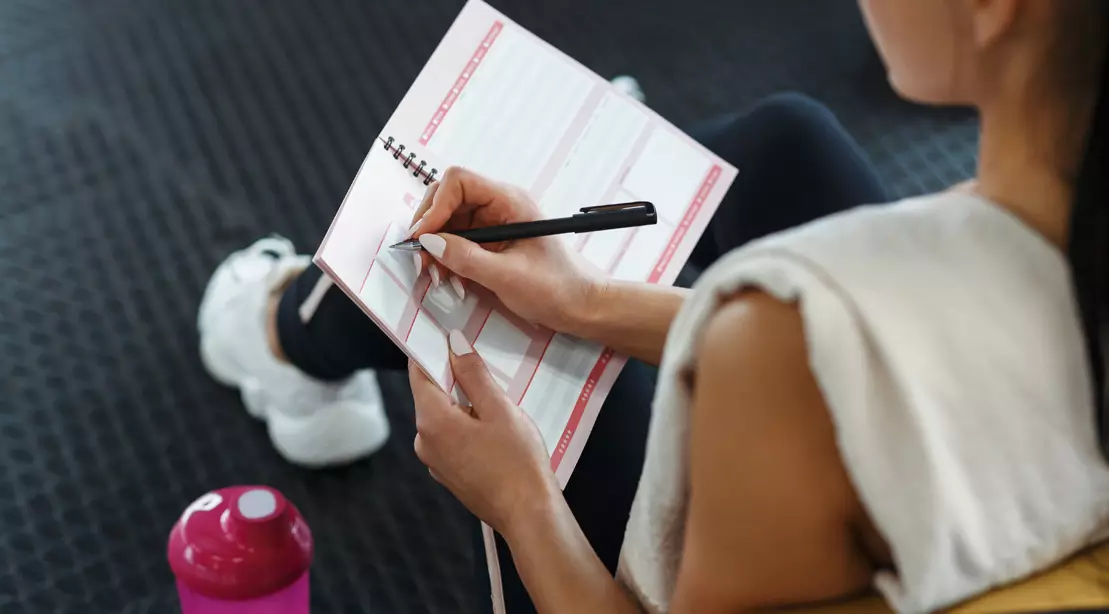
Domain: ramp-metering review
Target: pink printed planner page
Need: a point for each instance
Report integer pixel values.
(500, 101)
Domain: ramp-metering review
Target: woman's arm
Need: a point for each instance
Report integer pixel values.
(773, 518)
(492, 457)
(631, 318)
(557, 564)
(772, 513)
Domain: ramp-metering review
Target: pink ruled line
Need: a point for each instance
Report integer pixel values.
(579, 407)
(460, 83)
(419, 308)
(376, 252)
(606, 356)
(473, 342)
(535, 370)
(687, 220)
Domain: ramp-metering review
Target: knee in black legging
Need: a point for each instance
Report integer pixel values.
(796, 163)
(790, 129)
(794, 113)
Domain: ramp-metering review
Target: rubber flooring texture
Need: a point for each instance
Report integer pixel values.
(142, 141)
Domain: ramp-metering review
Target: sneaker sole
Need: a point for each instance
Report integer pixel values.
(345, 431)
(228, 374)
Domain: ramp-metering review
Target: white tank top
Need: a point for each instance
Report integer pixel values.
(945, 338)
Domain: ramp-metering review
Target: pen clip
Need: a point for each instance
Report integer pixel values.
(648, 208)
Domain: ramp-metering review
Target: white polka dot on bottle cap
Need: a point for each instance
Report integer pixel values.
(254, 504)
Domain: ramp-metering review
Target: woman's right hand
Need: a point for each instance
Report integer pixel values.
(539, 279)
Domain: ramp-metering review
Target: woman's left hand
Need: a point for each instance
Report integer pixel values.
(489, 455)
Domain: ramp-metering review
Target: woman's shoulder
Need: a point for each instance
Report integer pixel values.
(942, 334)
(949, 216)
(949, 237)
(931, 261)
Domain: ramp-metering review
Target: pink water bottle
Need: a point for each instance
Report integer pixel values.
(241, 550)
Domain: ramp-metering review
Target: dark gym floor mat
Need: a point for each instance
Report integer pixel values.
(115, 427)
(141, 141)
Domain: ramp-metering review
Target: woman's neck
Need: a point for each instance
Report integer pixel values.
(1019, 169)
(1027, 161)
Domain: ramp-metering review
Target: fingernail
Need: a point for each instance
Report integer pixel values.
(459, 289)
(459, 345)
(434, 272)
(413, 229)
(419, 262)
(434, 244)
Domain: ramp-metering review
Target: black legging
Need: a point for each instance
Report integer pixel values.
(796, 164)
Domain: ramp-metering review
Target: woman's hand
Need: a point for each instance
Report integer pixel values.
(489, 455)
(492, 458)
(538, 279)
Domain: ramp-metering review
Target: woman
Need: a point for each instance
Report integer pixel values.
(896, 395)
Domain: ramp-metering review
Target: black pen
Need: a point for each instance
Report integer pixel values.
(591, 219)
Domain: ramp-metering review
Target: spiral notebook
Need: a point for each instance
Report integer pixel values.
(498, 100)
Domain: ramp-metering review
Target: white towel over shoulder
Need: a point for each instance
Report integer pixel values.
(944, 336)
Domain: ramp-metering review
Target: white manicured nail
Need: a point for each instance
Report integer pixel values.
(459, 345)
(413, 229)
(419, 262)
(434, 272)
(459, 289)
(434, 244)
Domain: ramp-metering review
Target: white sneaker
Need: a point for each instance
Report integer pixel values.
(311, 423)
(629, 86)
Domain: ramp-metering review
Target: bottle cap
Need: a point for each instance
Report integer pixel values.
(241, 542)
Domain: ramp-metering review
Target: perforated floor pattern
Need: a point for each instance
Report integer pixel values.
(142, 141)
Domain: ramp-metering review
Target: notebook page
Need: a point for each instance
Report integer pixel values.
(498, 100)
(376, 213)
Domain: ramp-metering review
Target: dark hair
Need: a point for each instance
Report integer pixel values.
(1089, 248)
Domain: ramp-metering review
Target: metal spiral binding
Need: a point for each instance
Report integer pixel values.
(410, 160)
